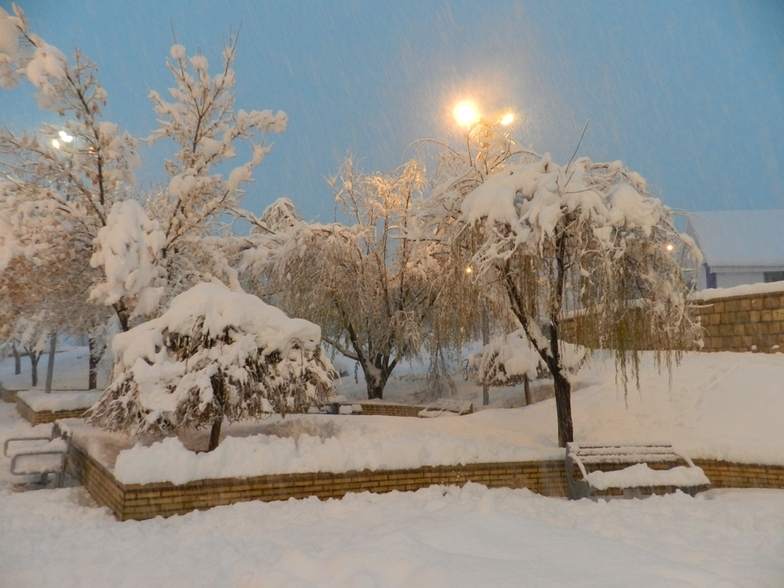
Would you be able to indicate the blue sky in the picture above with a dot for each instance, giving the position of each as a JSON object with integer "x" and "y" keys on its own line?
{"x": 690, "y": 94}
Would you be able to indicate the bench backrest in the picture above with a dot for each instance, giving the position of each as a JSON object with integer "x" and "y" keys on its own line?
{"x": 627, "y": 453}
{"x": 582, "y": 454}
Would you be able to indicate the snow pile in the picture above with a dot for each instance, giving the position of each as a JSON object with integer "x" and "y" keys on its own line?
{"x": 742, "y": 290}
{"x": 323, "y": 443}
{"x": 445, "y": 536}
{"x": 446, "y": 407}
{"x": 640, "y": 475}
{"x": 59, "y": 400}
{"x": 439, "y": 536}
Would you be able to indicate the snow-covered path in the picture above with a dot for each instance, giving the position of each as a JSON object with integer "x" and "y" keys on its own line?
{"x": 434, "y": 537}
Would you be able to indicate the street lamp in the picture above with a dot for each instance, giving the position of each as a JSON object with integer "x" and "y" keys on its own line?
{"x": 65, "y": 139}
{"x": 466, "y": 114}
{"x": 468, "y": 117}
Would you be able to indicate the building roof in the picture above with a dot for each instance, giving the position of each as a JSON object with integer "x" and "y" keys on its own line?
{"x": 748, "y": 238}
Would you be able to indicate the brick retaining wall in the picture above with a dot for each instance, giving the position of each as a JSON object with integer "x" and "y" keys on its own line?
{"x": 748, "y": 322}
{"x": 738, "y": 323}
{"x": 144, "y": 501}
{"x": 45, "y": 416}
{"x": 386, "y": 409}
{"x": 726, "y": 474}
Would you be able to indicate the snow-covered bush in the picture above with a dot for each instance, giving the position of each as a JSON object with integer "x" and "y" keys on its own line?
{"x": 508, "y": 360}
{"x": 213, "y": 354}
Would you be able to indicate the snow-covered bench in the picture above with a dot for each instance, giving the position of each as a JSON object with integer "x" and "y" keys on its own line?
{"x": 40, "y": 456}
{"x": 446, "y": 407}
{"x": 628, "y": 472}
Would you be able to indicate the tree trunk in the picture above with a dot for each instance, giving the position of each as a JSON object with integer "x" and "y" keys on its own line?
{"x": 17, "y": 361}
{"x": 34, "y": 357}
{"x": 485, "y": 341}
{"x": 215, "y": 434}
{"x": 219, "y": 393}
{"x": 50, "y": 363}
{"x": 375, "y": 390}
{"x": 96, "y": 352}
{"x": 563, "y": 407}
{"x": 123, "y": 316}
{"x": 527, "y": 389}
{"x": 376, "y": 385}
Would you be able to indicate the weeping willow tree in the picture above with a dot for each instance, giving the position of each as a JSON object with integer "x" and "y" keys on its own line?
{"x": 214, "y": 355}
{"x": 584, "y": 240}
{"x": 381, "y": 288}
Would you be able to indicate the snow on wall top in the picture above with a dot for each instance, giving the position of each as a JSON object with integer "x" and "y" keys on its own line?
{"x": 739, "y": 237}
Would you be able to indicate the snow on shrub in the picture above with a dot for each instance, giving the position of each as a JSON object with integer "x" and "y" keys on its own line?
{"x": 507, "y": 360}
{"x": 214, "y": 354}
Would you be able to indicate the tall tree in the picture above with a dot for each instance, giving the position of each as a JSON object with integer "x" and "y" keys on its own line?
{"x": 153, "y": 250}
{"x": 372, "y": 284}
{"x": 58, "y": 184}
{"x": 582, "y": 238}
{"x": 69, "y": 196}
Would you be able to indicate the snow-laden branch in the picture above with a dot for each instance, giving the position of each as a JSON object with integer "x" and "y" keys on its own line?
{"x": 129, "y": 251}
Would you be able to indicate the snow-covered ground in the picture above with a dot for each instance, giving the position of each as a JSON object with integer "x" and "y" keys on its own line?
{"x": 716, "y": 405}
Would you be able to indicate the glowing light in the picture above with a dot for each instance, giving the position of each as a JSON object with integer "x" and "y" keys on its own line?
{"x": 670, "y": 247}
{"x": 55, "y": 143}
{"x": 469, "y": 270}
{"x": 65, "y": 137}
{"x": 507, "y": 119}
{"x": 466, "y": 113}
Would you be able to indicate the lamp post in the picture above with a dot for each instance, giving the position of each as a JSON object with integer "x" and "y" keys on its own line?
{"x": 64, "y": 140}
{"x": 468, "y": 118}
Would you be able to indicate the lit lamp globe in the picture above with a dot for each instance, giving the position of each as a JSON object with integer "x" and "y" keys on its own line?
{"x": 64, "y": 139}
{"x": 466, "y": 114}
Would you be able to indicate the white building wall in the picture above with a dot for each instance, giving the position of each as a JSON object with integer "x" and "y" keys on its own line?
{"x": 731, "y": 279}
{"x": 731, "y": 276}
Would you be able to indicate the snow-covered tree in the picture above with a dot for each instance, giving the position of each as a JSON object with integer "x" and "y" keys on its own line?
{"x": 170, "y": 244}
{"x": 583, "y": 238}
{"x": 50, "y": 291}
{"x": 215, "y": 354}
{"x": 67, "y": 189}
{"x": 372, "y": 285}
{"x": 57, "y": 184}
{"x": 207, "y": 130}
